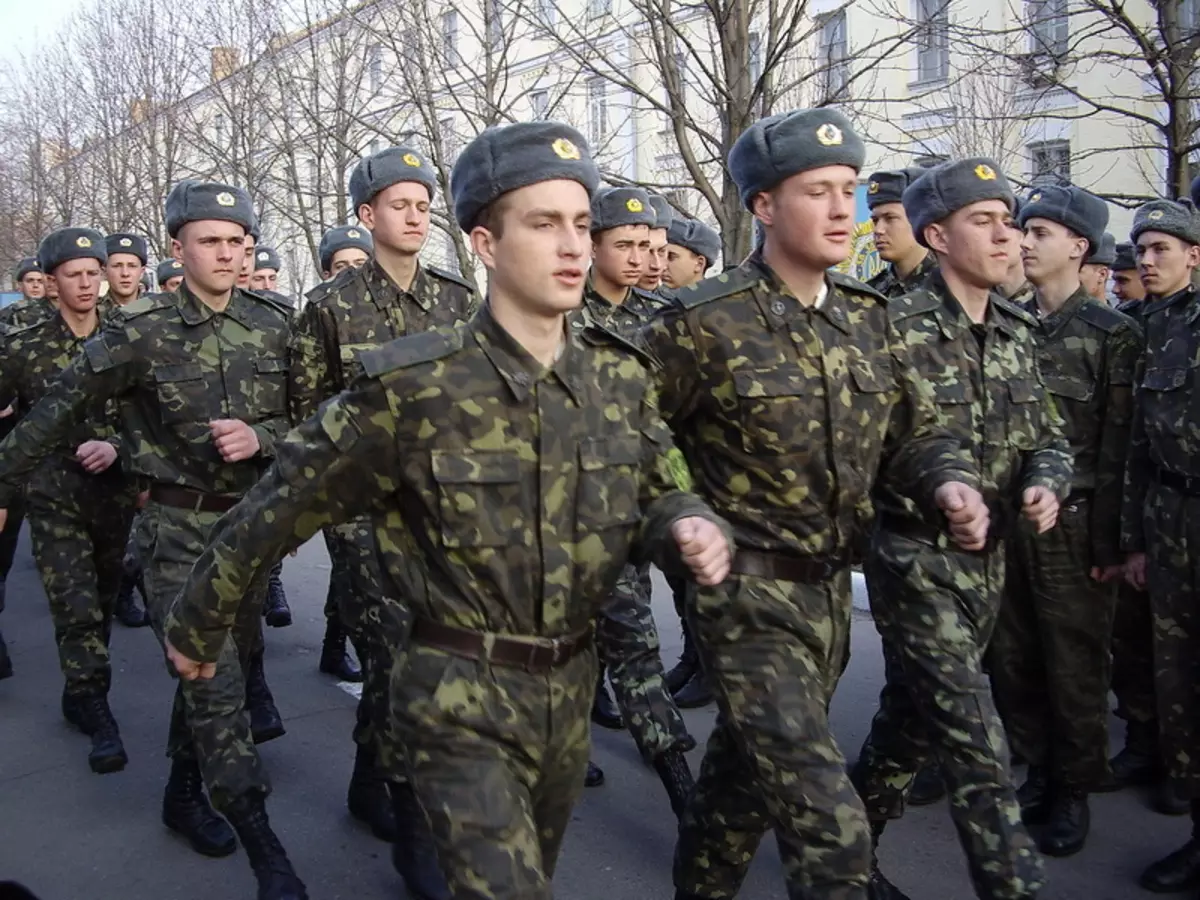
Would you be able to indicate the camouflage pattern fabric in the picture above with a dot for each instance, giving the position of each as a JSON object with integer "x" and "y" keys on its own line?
{"x": 889, "y": 282}
{"x": 785, "y": 414}
{"x": 24, "y": 312}
{"x": 627, "y": 318}
{"x": 506, "y": 498}
{"x": 360, "y": 310}
{"x": 1164, "y": 522}
{"x": 1051, "y": 664}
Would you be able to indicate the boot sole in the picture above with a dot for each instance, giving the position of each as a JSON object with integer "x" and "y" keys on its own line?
{"x": 212, "y": 851}
{"x": 926, "y": 799}
{"x": 1189, "y": 885}
{"x": 139, "y": 624}
{"x": 279, "y": 620}
{"x": 694, "y": 704}
{"x": 1062, "y": 852}
{"x": 353, "y": 678}
{"x": 106, "y": 765}
{"x": 264, "y": 735}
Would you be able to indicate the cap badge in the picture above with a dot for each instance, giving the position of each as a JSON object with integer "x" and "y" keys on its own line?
{"x": 411, "y": 159}
{"x": 1154, "y": 215}
{"x": 634, "y": 205}
{"x": 82, "y": 242}
{"x": 226, "y": 199}
{"x": 564, "y": 149}
{"x": 125, "y": 242}
{"x": 873, "y": 187}
{"x": 353, "y": 234}
{"x": 829, "y": 135}
{"x": 985, "y": 173}
{"x": 263, "y": 257}
{"x": 1034, "y": 198}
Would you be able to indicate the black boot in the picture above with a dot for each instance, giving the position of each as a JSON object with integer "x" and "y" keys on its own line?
{"x": 878, "y": 887}
{"x": 265, "y": 722}
{"x": 1067, "y": 824}
{"x": 1035, "y": 795}
{"x": 414, "y": 855}
{"x": 276, "y": 609}
{"x": 688, "y": 665}
{"x": 604, "y": 709}
{"x": 335, "y": 658}
{"x": 127, "y": 611}
{"x": 368, "y": 798}
{"x": 1176, "y": 873}
{"x": 277, "y": 880}
{"x": 928, "y": 787}
{"x": 676, "y": 775}
{"x": 73, "y": 712}
{"x": 108, "y": 753}
{"x": 1137, "y": 762}
{"x": 1167, "y": 800}
{"x": 6, "y": 667}
{"x": 696, "y": 693}
{"x": 186, "y": 811}
{"x": 594, "y": 776}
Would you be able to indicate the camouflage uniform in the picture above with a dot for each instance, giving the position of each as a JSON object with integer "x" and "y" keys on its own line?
{"x": 936, "y": 605}
{"x": 173, "y": 365}
{"x": 1162, "y": 518}
{"x": 1050, "y": 652}
{"x": 77, "y": 521}
{"x": 889, "y": 283}
{"x": 784, "y": 414}
{"x": 26, "y": 311}
{"x": 358, "y": 311}
{"x": 505, "y": 497}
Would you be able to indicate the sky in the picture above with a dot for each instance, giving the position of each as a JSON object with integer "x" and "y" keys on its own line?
{"x": 25, "y": 22}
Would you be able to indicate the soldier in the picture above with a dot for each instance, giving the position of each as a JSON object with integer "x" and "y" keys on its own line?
{"x": 1094, "y": 274}
{"x": 200, "y": 377}
{"x": 29, "y": 279}
{"x": 1016, "y": 287}
{"x": 692, "y": 249}
{"x": 1126, "y": 282}
{"x": 1050, "y": 651}
{"x": 519, "y": 455}
{"x": 169, "y": 275}
{"x": 656, "y": 258}
{"x": 1159, "y": 522}
{"x": 265, "y": 276}
{"x": 79, "y": 503}
{"x": 127, "y": 257}
{"x": 392, "y": 295}
{"x": 344, "y": 247}
{"x": 34, "y": 304}
{"x": 787, "y": 388}
{"x": 908, "y": 261}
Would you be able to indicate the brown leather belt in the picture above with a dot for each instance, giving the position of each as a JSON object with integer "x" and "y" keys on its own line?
{"x": 1187, "y": 485}
{"x": 800, "y": 569}
{"x": 186, "y": 498}
{"x": 534, "y": 654}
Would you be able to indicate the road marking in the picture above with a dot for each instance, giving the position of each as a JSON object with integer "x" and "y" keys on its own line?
{"x": 351, "y": 688}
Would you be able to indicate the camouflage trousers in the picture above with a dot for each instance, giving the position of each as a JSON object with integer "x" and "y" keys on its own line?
{"x": 1133, "y": 657}
{"x": 774, "y": 651}
{"x": 935, "y": 609}
{"x": 1051, "y": 653}
{"x": 11, "y": 533}
{"x": 628, "y": 642}
{"x": 208, "y": 718}
{"x": 1172, "y": 527}
{"x": 497, "y": 758}
{"x": 378, "y": 626}
{"x": 76, "y": 524}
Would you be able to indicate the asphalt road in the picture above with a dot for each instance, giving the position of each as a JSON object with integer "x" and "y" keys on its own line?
{"x": 72, "y": 835}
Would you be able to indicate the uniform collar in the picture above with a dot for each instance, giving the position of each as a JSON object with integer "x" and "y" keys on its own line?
{"x": 194, "y": 311}
{"x": 520, "y": 371}
{"x": 1052, "y": 323}
{"x": 779, "y": 305}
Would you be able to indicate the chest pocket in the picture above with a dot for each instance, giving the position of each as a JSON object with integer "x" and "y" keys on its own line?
{"x": 1024, "y": 414}
{"x": 1078, "y": 390}
{"x": 775, "y": 405}
{"x": 609, "y": 479}
{"x": 270, "y": 387}
{"x": 1161, "y": 380}
{"x": 184, "y": 394}
{"x": 480, "y": 501}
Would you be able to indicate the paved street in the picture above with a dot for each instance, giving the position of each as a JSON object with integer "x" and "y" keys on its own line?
{"x": 72, "y": 835}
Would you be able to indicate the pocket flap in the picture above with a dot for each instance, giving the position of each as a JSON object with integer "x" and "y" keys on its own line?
{"x": 616, "y": 450}
{"x": 475, "y": 467}
{"x": 782, "y": 381}
{"x": 1071, "y": 388}
{"x": 1022, "y": 390}
{"x": 868, "y": 379}
{"x": 951, "y": 393}
{"x": 181, "y": 372}
{"x": 1160, "y": 379}
{"x": 270, "y": 366}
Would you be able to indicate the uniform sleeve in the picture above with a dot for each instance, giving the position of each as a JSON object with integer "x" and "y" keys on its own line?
{"x": 106, "y": 368}
{"x": 669, "y": 338}
{"x": 1124, "y": 346}
{"x": 1051, "y": 465}
{"x": 334, "y": 466}
{"x": 311, "y": 378}
{"x": 12, "y": 358}
{"x": 1137, "y": 473}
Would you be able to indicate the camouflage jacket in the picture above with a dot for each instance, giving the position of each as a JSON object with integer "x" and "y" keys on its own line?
{"x": 1166, "y": 426}
{"x": 890, "y": 284}
{"x": 991, "y": 397}
{"x": 786, "y": 413}
{"x": 172, "y": 365}
{"x": 1135, "y": 309}
{"x": 357, "y": 311}
{"x": 24, "y": 312}
{"x": 627, "y": 319}
{"x": 506, "y": 497}
{"x": 1087, "y": 353}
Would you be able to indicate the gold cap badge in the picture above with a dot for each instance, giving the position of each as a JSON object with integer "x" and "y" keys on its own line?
{"x": 1035, "y": 197}
{"x": 411, "y": 159}
{"x": 985, "y": 173}
{"x": 226, "y": 199}
{"x": 1154, "y": 215}
{"x": 82, "y": 242}
{"x": 634, "y": 205}
{"x": 829, "y": 135}
{"x": 873, "y": 187}
{"x": 564, "y": 149}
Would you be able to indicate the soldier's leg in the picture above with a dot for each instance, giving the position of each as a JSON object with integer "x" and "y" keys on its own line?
{"x": 1138, "y": 761}
{"x": 335, "y": 658}
{"x": 774, "y": 651}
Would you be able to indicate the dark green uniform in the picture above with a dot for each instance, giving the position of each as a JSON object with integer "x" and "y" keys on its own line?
{"x": 1050, "y": 652}
{"x": 505, "y": 499}
{"x": 174, "y": 365}
{"x": 25, "y": 311}
{"x": 889, "y": 282}
{"x": 785, "y": 414}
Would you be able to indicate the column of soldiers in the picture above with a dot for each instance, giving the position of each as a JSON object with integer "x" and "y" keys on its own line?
{"x": 1005, "y": 456}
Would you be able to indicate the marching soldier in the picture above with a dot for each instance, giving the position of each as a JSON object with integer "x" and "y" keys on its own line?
{"x": 344, "y": 247}
{"x": 1094, "y": 274}
{"x": 34, "y": 304}
{"x": 169, "y": 275}
{"x": 656, "y": 256}
{"x": 127, "y": 255}
{"x": 692, "y": 249}
{"x": 265, "y": 276}
{"x": 908, "y": 262}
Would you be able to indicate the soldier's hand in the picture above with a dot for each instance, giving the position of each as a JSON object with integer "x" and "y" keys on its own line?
{"x": 966, "y": 514}
{"x": 235, "y": 439}
{"x": 1135, "y": 569}
{"x": 3, "y": 518}
{"x": 703, "y": 548}
{"x": 189, "y": 669}
{"x": 1040, "y": 506}
{"x": 96, "y": 456}
{"x": 1105, "y": 574}
{"x": 7, "y": 411}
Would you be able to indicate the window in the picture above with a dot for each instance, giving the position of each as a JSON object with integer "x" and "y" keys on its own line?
{"x": 835, "y": 70}
{"x": 450, "y": 38}
{"x": 547, "y": 11}
{"x": 1048, "y": 27}
{"x": 495, "y": 24}
{"x": 539, "y": 104}
{"x": 597, "y": 89}
{"x": 933, "y": 40}
{"x": 448, "y": 138}
{"x": 756, "y": 60}
{"x": 598, "y": 8}
{"x": 375, "y": 67}
{"x": 1051, "y": 162}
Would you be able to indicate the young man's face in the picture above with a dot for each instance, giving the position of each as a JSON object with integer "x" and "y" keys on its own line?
{"x": 350, "y": 257}
{"x": 619, "y": 254}
{"x": 656, "y": 261}
{"x": 213, "y": 254}
{"x": 1048, "y": 249}
{"x": 78, "y": 283}
{"x": 264, "y": 280}
{"x": 683, "y": 267}
{"x": 1127, "y": 285}
{"x": 809, "y": 216}
{"x": 247, "y": 263}
{"x": 976, "y": 242}
{"x": 537, "y": 256}
{"x": 123, "y": 272}
{"x": 1165, "y": 262}
{"x": 33, "y": 285}
{"x": 894, "y": 238}
{"x": 1094, "y": 278}
{"x": 398, "y": 217}
{"x": 172, "y": 283}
